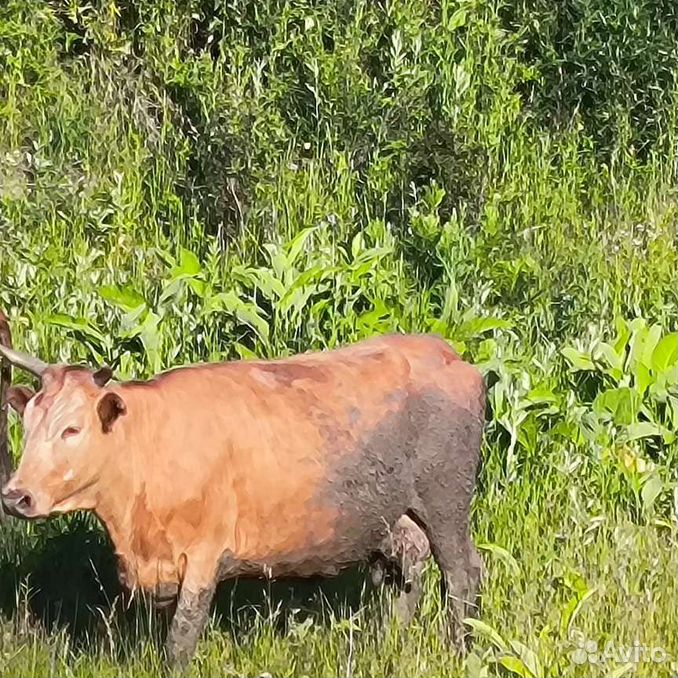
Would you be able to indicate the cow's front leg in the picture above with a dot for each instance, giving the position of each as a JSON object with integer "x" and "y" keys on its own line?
{"x": 188, "y": 623}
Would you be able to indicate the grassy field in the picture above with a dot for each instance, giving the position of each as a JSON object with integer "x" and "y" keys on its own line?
{"x": 219, "y": 180}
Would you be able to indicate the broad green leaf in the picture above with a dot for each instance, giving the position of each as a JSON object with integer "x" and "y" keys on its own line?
{"x": 198, "y": 286}
{"x": 623, "y": 336}
{"x": 643, "y": 378}
{"x": 249, "y": 314}
{"x": 295, "y": 246}
{"x": 151, "y": 339}
{"x": 188, "y": 263}
{"x": 223, "y": 301}
{"x": 296, "y": 299}
{"x": 654, "y": 334}
{"x": 528, "y": 657}
{"x": 637, "y": 344}
{"x": 125, "y": 298}
{"x": 665, "y": 354}
{"x": 480, "y": 628}
{"x": 457, "y": 20}
{"x": 615, "y": 362}
{"x": 188, "y": 266}
{"x": 474, "y": 667}
{"x": 475, "y": 327}
{"x": 580, "y": 362}
{"x": 77, "y": 324}
{"x": 621, "y": 404}
{"x": 642, "y": 429}
{"x": 503, "y": 555}
{"x": 652, "y": 487}
{"x": 268, "y": 284}
{"x": 245, "y": 352}
{"x": 278, "y": 260}
{"x": 577, "y": 608}
{"x": 515, "y": 665}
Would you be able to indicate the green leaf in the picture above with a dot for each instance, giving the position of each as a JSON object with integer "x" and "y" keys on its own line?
{"x": 503, "y": 555}
{"x": 223, "y": 301}
{"x": 651, "y": 490}
{"x": 249, "y": 314}
{"x": 188, "y": 267}
{"x": 188, "y": 263}
{"x": 126, "y": 298}
{"x": 580, "y": 362}
{"x": 245, "y": 352}
{"x": 515, "y": 665}
{"x": 480, "y": 628}
{"x": 577, "y": 608}
{"x": 672, "y": 411}
{"x": 78, "y": 325}
{"x": 268, "y": 284}
{"x": 622, "y": 670}
{"x": 614, "y": 361}
{"x": 619, "y": 404}
{"x": 198, "y": 286}
{"x": 665, "y": 354}
{"x": 623, "y": 336}
{"x": 295, "y": 246}
{"x": 528, "y": 657}
{"x": 457, "y": 20}
{"x": 151, "y": 338}
{"x": 476, "y": 327}
{"x": 643, "y": 429}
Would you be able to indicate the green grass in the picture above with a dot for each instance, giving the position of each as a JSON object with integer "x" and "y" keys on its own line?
{"x": 223, "y": 180}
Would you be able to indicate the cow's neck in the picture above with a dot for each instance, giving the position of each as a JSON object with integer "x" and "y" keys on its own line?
{"x": 118, "y": 497}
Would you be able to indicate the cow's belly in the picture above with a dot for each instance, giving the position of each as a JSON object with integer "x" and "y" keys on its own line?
{"x": 358, "y": 539}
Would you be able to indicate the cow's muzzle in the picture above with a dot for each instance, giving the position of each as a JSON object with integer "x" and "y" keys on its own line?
{"x": 18, "y": 503}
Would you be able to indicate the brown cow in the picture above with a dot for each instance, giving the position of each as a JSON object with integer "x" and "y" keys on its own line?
{"x": 293, "y": 467}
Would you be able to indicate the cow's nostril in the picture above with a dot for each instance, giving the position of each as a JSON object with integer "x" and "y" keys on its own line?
{"x": 18, "y": 503}
{"x": 25, "y": 502}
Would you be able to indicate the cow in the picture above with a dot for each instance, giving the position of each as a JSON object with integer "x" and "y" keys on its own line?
{"x": 292, "y": 467}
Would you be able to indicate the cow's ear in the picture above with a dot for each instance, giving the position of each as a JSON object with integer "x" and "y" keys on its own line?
{"x": 18, "y": 397}
{"x": 109, "y": 408}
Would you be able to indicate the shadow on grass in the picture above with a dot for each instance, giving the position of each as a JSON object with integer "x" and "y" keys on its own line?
{"x": 61, "y": 574}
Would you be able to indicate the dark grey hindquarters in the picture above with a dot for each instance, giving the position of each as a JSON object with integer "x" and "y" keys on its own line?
{"x": 445, "y": 463}
{"x": 421, "y": 461}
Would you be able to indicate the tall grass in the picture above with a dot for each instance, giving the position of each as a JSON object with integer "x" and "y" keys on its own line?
{"x": 221, "y": 180}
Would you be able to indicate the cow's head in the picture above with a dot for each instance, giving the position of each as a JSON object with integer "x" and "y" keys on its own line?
{"x": 68, "y": 425}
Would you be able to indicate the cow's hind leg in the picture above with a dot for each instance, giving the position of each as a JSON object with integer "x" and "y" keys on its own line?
{"x": 449, "y": 448}
{"x": 460, "y": 578}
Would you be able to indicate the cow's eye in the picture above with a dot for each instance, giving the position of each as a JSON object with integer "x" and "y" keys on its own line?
{"x": 70, "y": 432}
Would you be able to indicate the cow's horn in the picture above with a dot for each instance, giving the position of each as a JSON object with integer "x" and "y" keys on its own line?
{"x": 22, "y": 360}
